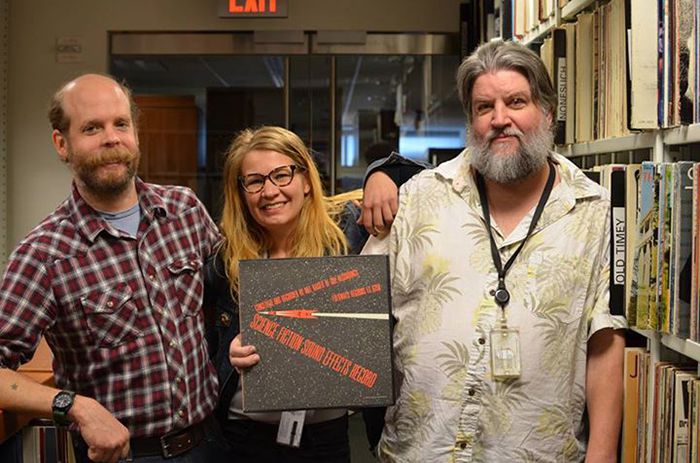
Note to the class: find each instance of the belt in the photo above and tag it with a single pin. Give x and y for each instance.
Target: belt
(170, 444)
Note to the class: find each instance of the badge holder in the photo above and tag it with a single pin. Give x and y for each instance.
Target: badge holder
(505, 344)
(291, 426)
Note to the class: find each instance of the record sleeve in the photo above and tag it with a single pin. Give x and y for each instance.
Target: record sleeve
(322, 328)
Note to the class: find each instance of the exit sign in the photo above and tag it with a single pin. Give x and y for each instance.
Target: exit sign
(253, 8)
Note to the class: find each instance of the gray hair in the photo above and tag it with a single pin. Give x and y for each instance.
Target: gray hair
(498, 55)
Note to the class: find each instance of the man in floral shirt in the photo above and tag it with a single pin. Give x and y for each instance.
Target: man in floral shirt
(505, 344)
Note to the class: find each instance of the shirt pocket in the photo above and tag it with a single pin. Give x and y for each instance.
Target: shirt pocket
(111, 316)
(187, 287)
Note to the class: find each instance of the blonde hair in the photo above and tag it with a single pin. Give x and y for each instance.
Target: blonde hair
(335, 205)
(316, 232)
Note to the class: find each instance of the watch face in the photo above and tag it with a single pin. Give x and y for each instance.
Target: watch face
(62, 400)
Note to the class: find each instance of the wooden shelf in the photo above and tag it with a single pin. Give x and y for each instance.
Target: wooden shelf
(574, 7)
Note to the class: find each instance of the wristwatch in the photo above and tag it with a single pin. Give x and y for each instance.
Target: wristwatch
(62, 402)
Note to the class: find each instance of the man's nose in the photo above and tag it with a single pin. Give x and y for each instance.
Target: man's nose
(500, 116)
(111, 136)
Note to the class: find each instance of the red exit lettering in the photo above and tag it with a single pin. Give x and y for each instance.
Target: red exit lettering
(252, 6)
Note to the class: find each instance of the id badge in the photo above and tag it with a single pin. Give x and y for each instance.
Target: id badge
(291, 426)
(505, 353)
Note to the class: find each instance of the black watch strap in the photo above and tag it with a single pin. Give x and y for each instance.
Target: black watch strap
(62, 403)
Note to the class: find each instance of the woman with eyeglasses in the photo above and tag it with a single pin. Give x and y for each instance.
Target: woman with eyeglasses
(274, 207)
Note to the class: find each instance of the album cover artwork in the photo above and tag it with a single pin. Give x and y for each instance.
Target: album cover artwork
(322, 328)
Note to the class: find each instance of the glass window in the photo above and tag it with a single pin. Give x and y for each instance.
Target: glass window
(404, 103)
(227, 94)
(362, 106)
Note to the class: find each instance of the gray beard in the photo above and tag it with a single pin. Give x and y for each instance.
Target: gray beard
(530, 156)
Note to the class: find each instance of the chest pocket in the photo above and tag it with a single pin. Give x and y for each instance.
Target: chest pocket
(111, 316)
(186, 276)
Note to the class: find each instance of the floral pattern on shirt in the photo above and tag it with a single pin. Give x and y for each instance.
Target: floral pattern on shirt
(450, 408)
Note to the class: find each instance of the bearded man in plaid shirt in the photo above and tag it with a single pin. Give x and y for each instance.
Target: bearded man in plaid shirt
(112, 280)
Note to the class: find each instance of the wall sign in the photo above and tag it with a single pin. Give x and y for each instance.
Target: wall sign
(253, 8)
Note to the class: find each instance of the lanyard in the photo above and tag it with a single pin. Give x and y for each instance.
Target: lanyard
(501, 295)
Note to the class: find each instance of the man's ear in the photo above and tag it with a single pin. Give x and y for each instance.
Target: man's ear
(60, 144)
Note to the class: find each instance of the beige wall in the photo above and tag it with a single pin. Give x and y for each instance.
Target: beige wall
(37, 181)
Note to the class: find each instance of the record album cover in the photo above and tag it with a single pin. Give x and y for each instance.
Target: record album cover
(322, 329)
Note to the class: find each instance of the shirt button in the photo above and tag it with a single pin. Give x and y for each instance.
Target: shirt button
(481, 341)
(471, 391)
(173, 343)
(181, 413)
(110, 304)
(462, 445)
(152, 276)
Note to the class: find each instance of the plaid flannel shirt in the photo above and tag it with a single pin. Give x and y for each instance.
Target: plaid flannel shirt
(122, 315)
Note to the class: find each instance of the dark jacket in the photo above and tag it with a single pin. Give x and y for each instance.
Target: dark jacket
(222, 322)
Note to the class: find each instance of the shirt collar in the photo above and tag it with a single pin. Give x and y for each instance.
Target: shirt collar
(573, 186)
(90, 223)
(578, 186)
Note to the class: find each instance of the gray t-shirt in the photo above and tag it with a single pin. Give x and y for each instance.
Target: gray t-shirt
(126, 221)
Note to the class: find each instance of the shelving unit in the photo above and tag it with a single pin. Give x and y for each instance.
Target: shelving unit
(658, 145)
(571, 9)
(643, 140)
(659, 142)
(686, 347)
(542, 30)
(682, 135)
(652, 139)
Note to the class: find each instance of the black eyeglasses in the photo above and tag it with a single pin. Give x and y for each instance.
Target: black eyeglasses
(280, 176)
